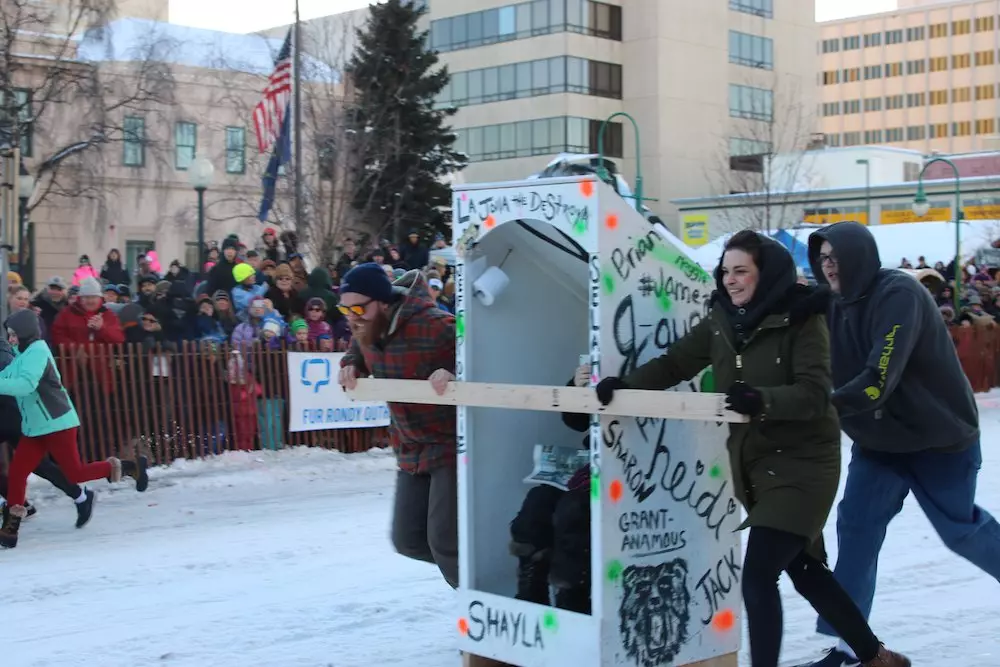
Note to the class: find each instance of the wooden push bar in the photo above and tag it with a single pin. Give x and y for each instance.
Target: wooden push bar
(626, 403)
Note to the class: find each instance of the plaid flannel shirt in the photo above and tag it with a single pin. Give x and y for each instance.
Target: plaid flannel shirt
(421, 339)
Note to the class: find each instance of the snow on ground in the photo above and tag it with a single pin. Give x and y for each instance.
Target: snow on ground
(282, 559)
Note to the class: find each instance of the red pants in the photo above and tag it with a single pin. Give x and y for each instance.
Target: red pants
(62, 446)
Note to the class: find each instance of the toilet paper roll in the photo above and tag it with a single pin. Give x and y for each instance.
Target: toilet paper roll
(490, 285)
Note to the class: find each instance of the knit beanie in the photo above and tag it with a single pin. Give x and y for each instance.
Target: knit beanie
(242, 272)
(368, 280)
(298, 325)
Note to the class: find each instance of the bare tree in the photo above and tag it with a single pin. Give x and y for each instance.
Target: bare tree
(64, 98)
(766, 158)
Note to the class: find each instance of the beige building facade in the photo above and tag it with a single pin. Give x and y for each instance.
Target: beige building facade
(712, 85)
(923, 77)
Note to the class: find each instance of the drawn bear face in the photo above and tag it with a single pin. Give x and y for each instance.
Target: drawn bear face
(655, 612)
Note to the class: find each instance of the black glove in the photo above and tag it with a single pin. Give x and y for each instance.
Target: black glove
(744, 399)
(607, 387)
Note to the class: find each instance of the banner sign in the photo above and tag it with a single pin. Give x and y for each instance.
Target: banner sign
(318, 402)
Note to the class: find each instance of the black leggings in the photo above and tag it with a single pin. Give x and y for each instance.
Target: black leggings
(770, 551)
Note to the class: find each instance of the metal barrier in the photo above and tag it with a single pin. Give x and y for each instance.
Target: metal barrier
(181, 403)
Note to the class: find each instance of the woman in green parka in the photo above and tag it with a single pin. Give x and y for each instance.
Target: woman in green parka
(767, 342)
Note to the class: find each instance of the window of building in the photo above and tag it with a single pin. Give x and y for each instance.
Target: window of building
(524, 20)
(937, 30)
(851, 74)
(916, 99)
(894, 69)
(831, 77)
(939, 97)
(985, 58)
(962, 128)
(985, 126)
(873, 136)
(134, 142)
(748, 154)
(852, 106)
(939, 64)
(915, 34)
(872, 39)
(831, 108)
(851, 43)
(22, 106)
(749, 102)
(893, 36)
(544, 136)
(873, 104)
(832, 140)
(916, 66)
(751, 50)
(894, 101)
(764, 8)
(960, 61)
(236, 143)
(915, 132)
(986, 92)
(961, 94)
(893, 134)
(963, 27)
(185, 142)
(873, 72)
(984, 24)
(852, 138)
(937, 130)
(830, 45)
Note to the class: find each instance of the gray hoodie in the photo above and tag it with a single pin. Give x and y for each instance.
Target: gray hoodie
(898, 383)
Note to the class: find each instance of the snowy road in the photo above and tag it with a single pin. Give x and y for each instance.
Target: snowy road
(283, 560)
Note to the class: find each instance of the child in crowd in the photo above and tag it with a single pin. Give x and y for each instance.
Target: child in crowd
(298, 334)
(316, 319)
(246, 289)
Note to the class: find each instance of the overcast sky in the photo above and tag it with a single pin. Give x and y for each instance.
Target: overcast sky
(243, 16)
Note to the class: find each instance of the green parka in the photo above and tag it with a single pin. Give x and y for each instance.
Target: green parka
(786, 461)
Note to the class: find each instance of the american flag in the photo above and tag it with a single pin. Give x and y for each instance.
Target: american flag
(269, 114)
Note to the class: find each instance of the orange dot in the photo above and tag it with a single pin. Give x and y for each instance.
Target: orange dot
(490, 222)
(615, 490)
(611, 221)
(587, 188)
(463, 626)
(724, 620)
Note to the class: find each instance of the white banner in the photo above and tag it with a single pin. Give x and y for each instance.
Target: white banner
(318, 402)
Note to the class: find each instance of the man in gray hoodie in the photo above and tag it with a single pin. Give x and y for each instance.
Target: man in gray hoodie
(905, 402)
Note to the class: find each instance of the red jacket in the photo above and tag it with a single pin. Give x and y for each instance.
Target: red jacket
(70, 329)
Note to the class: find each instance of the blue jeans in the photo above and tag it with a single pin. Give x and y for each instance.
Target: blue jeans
(944, 485)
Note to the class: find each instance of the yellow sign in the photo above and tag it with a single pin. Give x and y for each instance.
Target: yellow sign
(987, 212)
(906, 215)
(830, 218)
(694, 230)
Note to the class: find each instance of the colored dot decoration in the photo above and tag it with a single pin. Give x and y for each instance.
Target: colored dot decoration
(549, 621)
(580, 226)
(490, 222)
(611, 222)
(707, 383)
(715, 471)
(615, 490)
(608, 282)
(587, 188)
(595, 486)
(463, 626)
(724, 620)
(460, 325)
(614, 571)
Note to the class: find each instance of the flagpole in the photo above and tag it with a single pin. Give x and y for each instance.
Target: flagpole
(297, 126)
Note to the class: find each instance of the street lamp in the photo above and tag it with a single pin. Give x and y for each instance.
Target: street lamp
(25, 188)
(200, 173)
(868, 190)
(921, 207)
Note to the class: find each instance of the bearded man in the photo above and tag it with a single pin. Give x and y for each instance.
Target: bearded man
(399, 333)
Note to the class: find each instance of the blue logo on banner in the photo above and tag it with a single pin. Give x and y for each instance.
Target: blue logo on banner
(316, 382)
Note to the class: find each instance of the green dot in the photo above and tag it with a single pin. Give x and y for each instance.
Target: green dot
(595, 486)
(715, 471)
(664, 302)
(460, 325)
(609, 282)
(580, 226)
(614, 572)
(549, 621)
(708, 381)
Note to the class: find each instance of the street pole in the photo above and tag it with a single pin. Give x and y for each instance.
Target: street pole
(921, 206)
(868, 191)
(201, 231)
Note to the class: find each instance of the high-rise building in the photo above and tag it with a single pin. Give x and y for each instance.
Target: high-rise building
(714, 85)
(922, 77)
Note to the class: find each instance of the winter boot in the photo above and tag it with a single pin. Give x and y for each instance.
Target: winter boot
(137, 470)
(887, 658)
(116, 469)
(11, 524)
(834, 658)
(85, 509)
(30, 509)
(575, 599)
(532, 573)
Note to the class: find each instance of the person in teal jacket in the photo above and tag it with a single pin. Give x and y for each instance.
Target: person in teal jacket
(49, 423)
